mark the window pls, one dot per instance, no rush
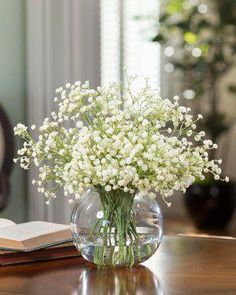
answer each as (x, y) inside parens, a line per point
(125, 41)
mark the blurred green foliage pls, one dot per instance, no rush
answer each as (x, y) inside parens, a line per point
(200, 41)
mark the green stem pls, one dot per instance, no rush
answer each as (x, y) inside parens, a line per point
(93, 229)
(117, 230)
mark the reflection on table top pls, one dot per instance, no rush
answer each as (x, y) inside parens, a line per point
(182, 265)
(184, 225)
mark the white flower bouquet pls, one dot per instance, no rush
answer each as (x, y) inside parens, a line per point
(119, 141)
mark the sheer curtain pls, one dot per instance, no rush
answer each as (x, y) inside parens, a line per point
(70, 40)
(63, 44)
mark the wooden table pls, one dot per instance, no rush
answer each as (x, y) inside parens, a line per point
(182, 265)
(184, 225)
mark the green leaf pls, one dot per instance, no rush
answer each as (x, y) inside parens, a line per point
(158, 38)
(232, 88)
(175, 6)
(190, 38)
(203, 24)
(205, 48)
(163, 17)
(183, 25)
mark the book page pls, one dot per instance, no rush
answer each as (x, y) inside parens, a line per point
(6, 222)
(29, 230)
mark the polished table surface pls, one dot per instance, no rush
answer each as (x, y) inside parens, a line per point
(182, 265)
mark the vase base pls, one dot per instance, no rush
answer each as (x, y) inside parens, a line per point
(118, 256)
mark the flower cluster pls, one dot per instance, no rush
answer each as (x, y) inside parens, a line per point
(118, 139)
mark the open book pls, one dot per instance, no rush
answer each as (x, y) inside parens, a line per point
(32, 235)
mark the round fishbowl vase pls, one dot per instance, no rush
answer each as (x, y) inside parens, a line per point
(116, 228)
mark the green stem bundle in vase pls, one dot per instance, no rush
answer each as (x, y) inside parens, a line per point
(117, 226)
(115, 238)
(123, 149)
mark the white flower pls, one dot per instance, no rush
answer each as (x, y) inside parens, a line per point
(176, 98)
(107, 188)
(202, 133)
(20, 129)
(79, 124)
(189, 132)
(100, 214)
(145, 122)
(146, 143)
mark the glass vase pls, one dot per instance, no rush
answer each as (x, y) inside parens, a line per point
(116, 228)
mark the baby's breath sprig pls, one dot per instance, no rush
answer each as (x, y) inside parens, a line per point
(117, 139)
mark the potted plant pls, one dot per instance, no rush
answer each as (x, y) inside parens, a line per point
(199, 40)
(111, 150)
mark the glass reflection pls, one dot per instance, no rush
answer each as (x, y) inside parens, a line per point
(108, 281)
